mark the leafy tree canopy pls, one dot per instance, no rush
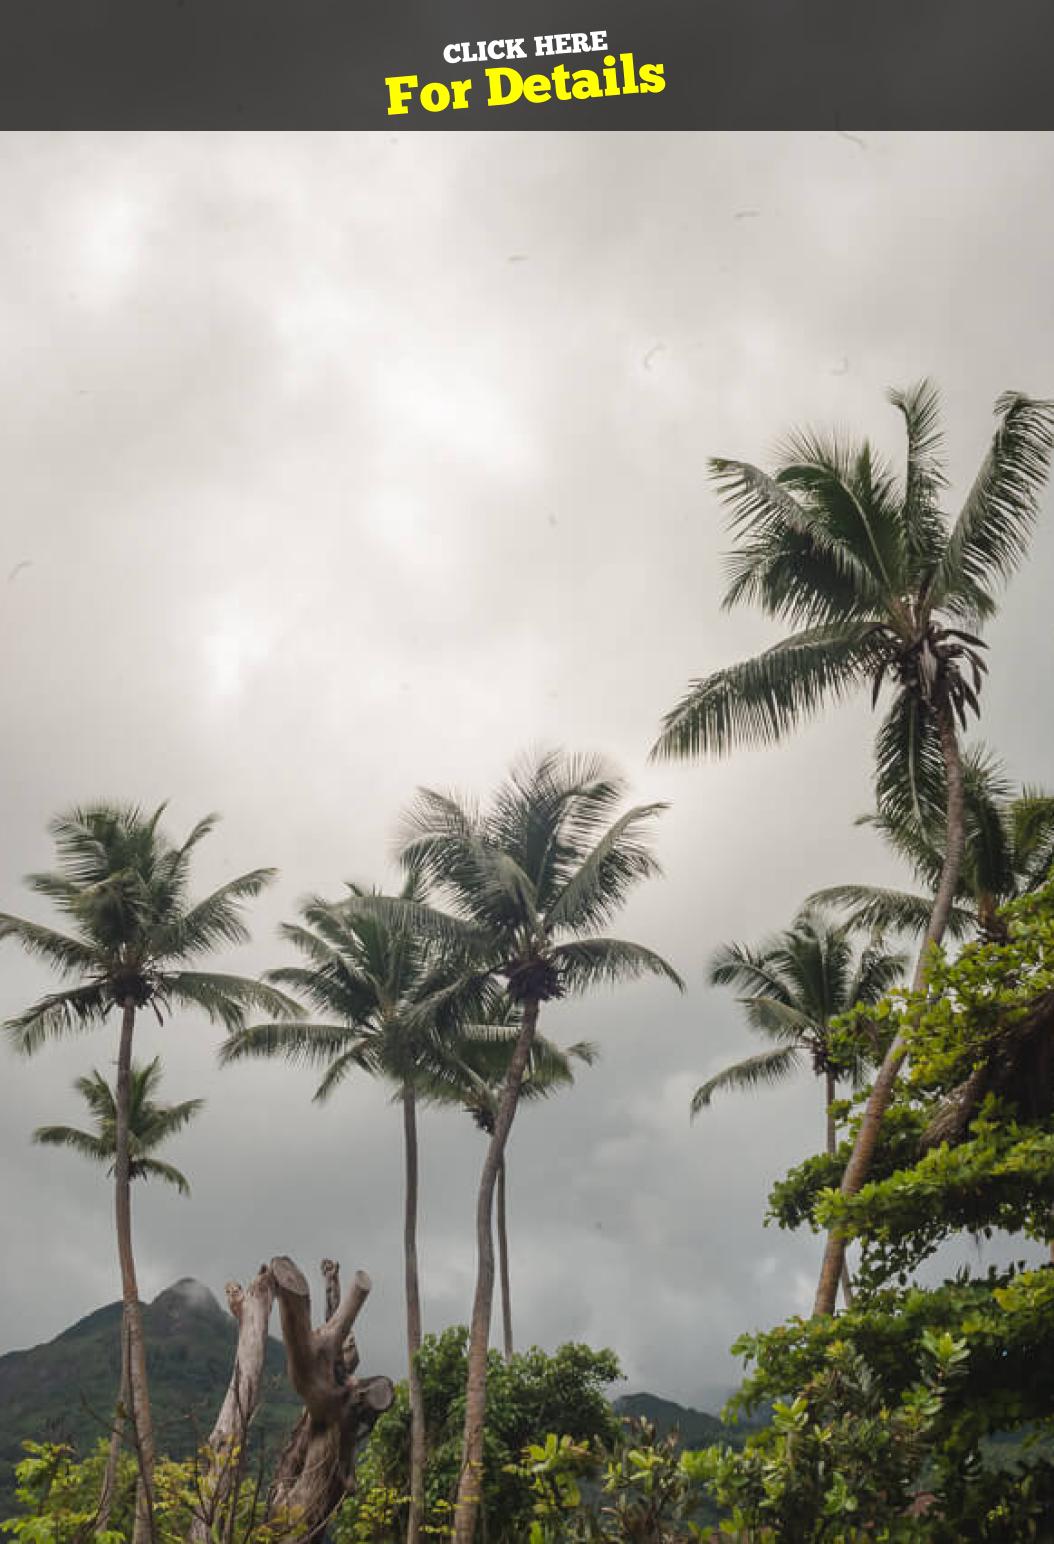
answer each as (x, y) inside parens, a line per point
(527, 1397)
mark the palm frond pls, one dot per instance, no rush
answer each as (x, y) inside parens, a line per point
(225, 999)
(851, 497)
(754, 1071)
(877, 972)
(786, 560)
(875, 909)
(909, 765)
(159, 1122)
(589, 962)
(213, 922)
(357, 1058)
(602, 881)
(759, 701)
(156, 1168)
(922, 527)
(1031, 820)
(779, 1020)
(58, 1014)
(989, 539)
(753, 970)
(312, 1045)
(85, 1143)
(429, 922)
(69, 956)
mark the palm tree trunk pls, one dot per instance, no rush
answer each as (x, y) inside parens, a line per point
(113, 1457)
(832, 1147)
(859, 1165)
(139, 1395)
(413, 1322)
(503, 1265)
(471, 1480)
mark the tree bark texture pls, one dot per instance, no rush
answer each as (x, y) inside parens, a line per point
(503, 1264)
(471, 1479)
(832, 1148)
(859, 1165)
(138, 1390)
(113, 1457)
(413, 1321)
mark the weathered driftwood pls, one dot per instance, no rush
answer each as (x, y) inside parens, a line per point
(317, 1467)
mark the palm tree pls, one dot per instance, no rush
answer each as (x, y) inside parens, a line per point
(480, 1068)
(528, 881)
(794, 985)
(149, 1125)
(1008, 851)
(123, 886)
(882, 587)
(391, 1006)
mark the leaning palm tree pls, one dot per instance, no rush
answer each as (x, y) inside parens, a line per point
(391, 1003)
(480, 1067)
(1008, 851)
(123, 886)
(149, 1125)
(528, 881)
(882, 588)
(794, 984)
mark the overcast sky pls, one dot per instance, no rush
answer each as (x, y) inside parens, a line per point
(336, 465)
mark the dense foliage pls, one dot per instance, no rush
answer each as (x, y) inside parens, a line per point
(968, 1147)
(528, 1396)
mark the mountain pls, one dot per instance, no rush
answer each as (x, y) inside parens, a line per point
(64, 1391)
(695, 1428)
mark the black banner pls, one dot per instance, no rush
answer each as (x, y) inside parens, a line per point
(579, 64)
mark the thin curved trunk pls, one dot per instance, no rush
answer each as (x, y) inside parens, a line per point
(471, 1480)
(113, 1457)
(413, 1322)
(139, 1394)
(832, 1148)
(859, 1165)
(503, 1264)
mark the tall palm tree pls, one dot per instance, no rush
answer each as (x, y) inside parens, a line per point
(1008, 851)
(149, 1125)
(794, 984)
(882, 587)
(123, 886)
(528, 881)
(391, 1003)
(480, 1069)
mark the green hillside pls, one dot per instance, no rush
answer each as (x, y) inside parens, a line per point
(64, 1391)
(695, 1428)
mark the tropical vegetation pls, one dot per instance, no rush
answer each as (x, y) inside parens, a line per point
(528, 880)
(883, 590)
(794, 985)
(123, 886)
(1008, 850)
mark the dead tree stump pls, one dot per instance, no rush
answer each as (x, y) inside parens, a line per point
(316, 1470)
